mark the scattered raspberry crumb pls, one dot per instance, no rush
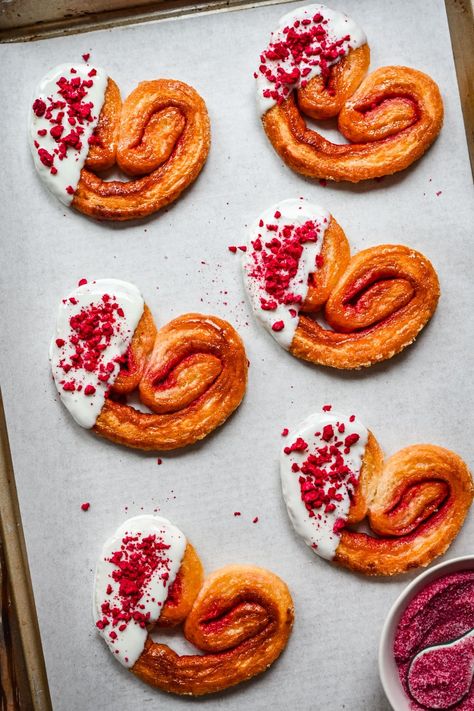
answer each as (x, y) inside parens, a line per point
(243, 248)
(89, 390)
(85, 506)
(81, 282)
(232, 249)
(70, 190)
(237, 513)
(284, 432)
(327, 408)
(159, 460)
(255, 520)
(439, 193)
(278, 326)
(86, 56)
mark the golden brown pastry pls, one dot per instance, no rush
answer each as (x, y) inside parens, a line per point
(297, 265)
(315, 66)
(334, 477)
(79, 127)
(240, 617)
(191, 374)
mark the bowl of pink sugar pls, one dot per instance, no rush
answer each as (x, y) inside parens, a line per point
(426, 652)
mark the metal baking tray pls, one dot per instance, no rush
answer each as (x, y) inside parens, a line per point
(28, 20)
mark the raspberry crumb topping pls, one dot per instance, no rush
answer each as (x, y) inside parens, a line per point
(91, 331)
(94, 329)
(320, 473)
(138, 559)
(306, 44)
(281, 256)
(86, 506)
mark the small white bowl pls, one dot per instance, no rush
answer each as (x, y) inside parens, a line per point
(388, 669)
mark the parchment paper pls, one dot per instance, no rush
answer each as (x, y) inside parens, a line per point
(179, 259)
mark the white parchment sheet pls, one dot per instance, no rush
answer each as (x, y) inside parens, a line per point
(180, 261)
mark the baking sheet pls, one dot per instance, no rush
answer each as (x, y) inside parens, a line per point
(179, 259)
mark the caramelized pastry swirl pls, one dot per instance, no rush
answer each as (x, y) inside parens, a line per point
(241, 618)
(192, 374)
(391, 119)
(415, 502)
(160, 136)
(376, 307)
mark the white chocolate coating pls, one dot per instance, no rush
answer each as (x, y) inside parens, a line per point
(128, 644)
(69, 168)
(85, 408)
(318, 530)
(337, 27)
(295, 212)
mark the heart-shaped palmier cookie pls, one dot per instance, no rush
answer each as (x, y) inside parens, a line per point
(334, 476)
(79, 127)
(190, 375)
(315, 65)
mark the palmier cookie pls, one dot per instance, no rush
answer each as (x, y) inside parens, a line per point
(190, 374)
(149, 576)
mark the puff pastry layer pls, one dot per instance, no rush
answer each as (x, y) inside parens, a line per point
(159, 136)
(240, 617)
